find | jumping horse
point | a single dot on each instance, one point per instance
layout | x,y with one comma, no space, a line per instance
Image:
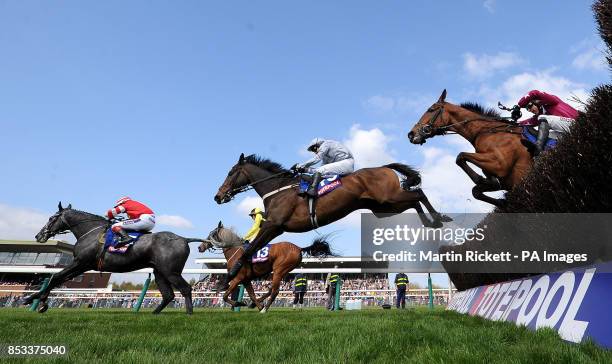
376,189
499,148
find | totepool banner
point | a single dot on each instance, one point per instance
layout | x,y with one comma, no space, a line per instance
575,302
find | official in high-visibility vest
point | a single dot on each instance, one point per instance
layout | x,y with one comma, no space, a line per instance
401,285
332,280
300,286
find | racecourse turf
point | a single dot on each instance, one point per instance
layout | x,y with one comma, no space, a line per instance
283,335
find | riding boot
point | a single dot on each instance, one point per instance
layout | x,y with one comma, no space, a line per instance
124,238
312,190
234,271
543,131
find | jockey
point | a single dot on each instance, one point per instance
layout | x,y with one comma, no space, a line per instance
550,113
141,218
335,159
258,218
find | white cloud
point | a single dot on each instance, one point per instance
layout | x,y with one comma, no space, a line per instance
590,56
248,203
485,65
369,147
20,223
490,5
513,88
174,221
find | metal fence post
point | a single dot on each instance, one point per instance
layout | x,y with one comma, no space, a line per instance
36,302
240,295
337,298
429,285
145,288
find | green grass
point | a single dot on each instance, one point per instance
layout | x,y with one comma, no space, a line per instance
281,335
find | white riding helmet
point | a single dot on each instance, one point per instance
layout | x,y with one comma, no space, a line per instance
315,143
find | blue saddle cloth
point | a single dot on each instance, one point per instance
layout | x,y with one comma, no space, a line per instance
325,186
531,138
110,240
262,254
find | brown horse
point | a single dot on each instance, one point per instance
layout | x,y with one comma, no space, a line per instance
500,152
376,189
283,257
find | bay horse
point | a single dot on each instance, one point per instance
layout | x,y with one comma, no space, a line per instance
499,150
165,252
376,189
283,257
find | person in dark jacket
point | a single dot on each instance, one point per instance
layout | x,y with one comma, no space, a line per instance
401,285
300,286
332,281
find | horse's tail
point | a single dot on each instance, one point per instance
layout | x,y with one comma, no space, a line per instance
193,240
411,176
318,248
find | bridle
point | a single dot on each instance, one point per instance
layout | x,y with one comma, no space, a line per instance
429,130
231,193
62,218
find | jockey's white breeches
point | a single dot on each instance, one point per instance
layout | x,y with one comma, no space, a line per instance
558,125
342,167
146,222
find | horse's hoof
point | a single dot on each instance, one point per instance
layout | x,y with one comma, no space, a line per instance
445,218
27,301
43,307
437,224
264,310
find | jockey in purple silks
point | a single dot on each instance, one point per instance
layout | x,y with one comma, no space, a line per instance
552,116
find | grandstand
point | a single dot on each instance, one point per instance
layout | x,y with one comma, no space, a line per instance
21,259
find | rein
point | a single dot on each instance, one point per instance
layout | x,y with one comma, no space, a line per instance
234,191
429,129
63,219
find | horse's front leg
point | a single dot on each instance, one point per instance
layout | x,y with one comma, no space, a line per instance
226,296
488,163
251,292
57,279
475,158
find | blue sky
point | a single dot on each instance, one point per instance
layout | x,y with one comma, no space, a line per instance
157,99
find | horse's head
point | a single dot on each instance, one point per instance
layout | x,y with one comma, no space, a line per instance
56,224
213,236
431,122
236,179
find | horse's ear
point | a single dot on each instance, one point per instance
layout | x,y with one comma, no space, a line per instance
69,206
241,159
443,96
220,225
59,206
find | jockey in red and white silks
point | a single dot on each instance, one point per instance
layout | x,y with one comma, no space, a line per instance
140,217
551,114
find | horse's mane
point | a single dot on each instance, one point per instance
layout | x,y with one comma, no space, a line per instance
228,237
265,163
89,214
479,109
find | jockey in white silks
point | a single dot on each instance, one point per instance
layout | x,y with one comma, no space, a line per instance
335,158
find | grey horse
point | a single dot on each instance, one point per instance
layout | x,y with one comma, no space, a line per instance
165,252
